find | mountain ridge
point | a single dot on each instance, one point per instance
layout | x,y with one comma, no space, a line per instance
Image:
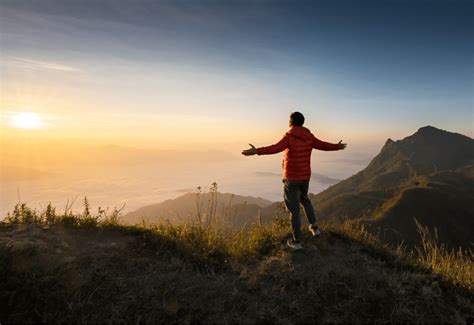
241,209
429,151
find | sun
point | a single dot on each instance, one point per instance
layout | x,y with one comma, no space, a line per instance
26,120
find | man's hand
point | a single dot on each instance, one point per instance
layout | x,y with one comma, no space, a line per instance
250,152
342,146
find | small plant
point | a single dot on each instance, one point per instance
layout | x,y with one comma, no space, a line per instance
199,205
22,214
86,219
49,214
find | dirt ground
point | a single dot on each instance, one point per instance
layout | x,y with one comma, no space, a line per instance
95,274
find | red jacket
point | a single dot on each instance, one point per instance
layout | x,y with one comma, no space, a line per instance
298,143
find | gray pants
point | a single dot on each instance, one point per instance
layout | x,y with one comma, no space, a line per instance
296,193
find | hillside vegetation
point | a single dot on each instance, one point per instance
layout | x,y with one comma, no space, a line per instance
60,267
428,176
441,201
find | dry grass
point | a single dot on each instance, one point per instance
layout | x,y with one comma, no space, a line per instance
455,266
90,268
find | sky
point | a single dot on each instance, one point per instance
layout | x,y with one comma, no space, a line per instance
221,74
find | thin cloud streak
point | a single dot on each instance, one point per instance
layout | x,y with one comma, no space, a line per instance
26,63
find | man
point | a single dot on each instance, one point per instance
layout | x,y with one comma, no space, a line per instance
298,144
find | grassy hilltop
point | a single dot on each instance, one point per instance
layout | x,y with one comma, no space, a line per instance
60,267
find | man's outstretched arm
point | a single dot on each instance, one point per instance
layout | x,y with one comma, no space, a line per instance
326,146
269,150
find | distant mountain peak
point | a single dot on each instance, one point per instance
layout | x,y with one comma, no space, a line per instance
388,142
437,138
430,130
389,145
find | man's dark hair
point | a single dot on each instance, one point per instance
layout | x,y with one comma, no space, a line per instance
297,119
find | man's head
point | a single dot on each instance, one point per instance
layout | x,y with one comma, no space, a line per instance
296,119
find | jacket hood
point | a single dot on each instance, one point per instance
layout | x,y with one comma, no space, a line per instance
300,132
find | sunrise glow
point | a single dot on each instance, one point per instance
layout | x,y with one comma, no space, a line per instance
26,120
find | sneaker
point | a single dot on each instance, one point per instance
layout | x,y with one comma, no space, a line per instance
294,245
314,230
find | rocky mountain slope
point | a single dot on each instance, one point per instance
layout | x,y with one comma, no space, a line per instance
427,176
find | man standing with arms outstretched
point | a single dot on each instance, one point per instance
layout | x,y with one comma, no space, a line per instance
298,144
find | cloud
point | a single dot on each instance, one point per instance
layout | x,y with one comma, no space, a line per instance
352,161
26,63
314,176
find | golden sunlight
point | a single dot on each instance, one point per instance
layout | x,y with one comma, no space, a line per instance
26,120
